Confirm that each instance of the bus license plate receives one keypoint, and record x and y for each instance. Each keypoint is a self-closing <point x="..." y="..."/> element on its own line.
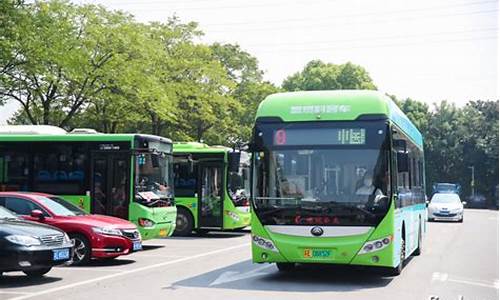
<point x="60" y="254"/>
<point x="163" y="232"/>
<point x="317" y="253"/>
<point x="137" y="246"/>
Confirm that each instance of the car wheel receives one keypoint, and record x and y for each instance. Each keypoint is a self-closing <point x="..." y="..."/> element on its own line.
<point x="82" y="250"/>
<point x="183" y="223"/>
<point x="285" y="267"/>
<point x="39" y="272"/>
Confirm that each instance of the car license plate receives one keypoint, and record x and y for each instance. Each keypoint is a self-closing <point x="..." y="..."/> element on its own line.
<point x="163" y="232"/>
<point x="60" y="254"/>
<point x="317" y="253"/>
<point x="137" y="246"/>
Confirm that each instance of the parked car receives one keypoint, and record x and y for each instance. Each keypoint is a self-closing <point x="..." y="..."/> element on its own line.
<point x="446" y="206"/>
<point x="31" y="247"/>
<point x="94" y="236"/>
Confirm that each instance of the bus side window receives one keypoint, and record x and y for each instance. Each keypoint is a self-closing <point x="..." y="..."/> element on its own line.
<point x="185" y="181"/>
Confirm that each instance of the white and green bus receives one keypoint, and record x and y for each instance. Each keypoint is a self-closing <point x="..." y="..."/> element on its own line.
<point x="212" y="188"/>
<point x="338" y="178"/>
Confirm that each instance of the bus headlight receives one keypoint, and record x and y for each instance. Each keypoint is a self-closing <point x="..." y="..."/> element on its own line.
<point x="146" y="223"/>
<point x="376" y="245"/>
<point x="264" y="243"/>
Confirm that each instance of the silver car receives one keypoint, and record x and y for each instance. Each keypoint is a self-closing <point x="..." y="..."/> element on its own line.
<point x="446" y="207"/>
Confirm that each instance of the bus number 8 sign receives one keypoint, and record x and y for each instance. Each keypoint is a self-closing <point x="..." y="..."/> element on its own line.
<point x="280" y="137"/>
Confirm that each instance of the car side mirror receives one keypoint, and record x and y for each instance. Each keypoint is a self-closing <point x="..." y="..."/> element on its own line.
<point x="37" y="214"/>
<point x="464" y="202"/>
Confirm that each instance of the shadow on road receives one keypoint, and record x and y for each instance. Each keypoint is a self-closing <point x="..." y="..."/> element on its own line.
<point x="151" y="247"/>
<point x="21" y="280"/>
<point x="105" y="263"/>
<point x="307" y="278"/>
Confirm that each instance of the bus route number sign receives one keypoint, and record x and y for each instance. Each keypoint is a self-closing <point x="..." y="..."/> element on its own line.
<point x="280" y="137"/>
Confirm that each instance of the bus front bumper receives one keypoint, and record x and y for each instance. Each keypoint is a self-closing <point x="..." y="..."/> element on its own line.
<point x="159" y="230"/>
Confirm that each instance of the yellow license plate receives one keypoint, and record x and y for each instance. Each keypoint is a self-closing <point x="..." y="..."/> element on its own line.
<point x="317" y="253"/>
<point x="163" y="232"/>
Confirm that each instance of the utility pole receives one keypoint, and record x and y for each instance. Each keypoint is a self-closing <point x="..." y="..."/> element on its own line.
<point x="472" y="183"/>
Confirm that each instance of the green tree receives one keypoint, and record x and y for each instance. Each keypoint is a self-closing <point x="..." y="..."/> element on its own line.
<point x="318" y="75"/>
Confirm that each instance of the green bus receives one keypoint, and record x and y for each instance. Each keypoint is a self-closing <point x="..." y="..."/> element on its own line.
<point x="338" y="178"/>
<point x="212" y="188"/>
<point x="122" y="175"/>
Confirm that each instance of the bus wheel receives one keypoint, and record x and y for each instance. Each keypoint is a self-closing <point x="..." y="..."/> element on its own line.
<point x="183" y="223"/>
<point x="82" y="248"/>
<point x="397" y="270"/>
<point x="285" y="267"/>
<point x="418" y="251"/>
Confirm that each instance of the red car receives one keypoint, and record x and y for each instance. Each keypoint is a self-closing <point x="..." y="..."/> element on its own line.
<point x="95" y="236"/>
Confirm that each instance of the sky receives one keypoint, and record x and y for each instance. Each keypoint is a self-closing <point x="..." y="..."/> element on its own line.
<point x="427" y="50"/>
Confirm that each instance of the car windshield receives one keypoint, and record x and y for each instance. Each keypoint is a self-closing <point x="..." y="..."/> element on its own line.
<point x="322" y="184"/>
<point x="239" y="182"/>
<point x="153" y="177"/>
<point x="7" y="214"/>
<point x="445" y="198"/>
<point x="60" y="207"/>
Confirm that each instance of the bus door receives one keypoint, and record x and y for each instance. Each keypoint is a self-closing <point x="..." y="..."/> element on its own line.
<point x="110" y="188"/>
<point x="210" y="195"/>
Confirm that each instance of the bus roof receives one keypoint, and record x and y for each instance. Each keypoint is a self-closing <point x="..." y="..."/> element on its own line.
<point x="196" y="147"/>
<point x="13" y="135"/>
<point x="338" y="105"/>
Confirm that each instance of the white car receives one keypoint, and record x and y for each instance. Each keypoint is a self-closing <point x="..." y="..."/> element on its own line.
<point x="447" y="207"/>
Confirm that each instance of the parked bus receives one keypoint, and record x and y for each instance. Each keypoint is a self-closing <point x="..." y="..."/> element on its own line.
<point x="212" y="188"/>
<point x="338" y="177"/>
<point x="122" y="175"/>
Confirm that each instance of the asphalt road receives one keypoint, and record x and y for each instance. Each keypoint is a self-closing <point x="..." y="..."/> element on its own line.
<point x="460" y="261"/>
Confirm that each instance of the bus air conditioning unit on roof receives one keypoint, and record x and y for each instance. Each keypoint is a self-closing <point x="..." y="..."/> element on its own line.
<point x="31" y="129"/>
<point x="83" y="131"/>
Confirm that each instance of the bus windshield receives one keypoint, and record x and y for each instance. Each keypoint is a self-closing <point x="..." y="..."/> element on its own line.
<point x="153" y="182"/>
<point x="321" y="174"/>
<point x="239" y="182"/>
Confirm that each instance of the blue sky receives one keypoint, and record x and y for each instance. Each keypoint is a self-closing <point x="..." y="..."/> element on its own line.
<point x="426" y="50"/>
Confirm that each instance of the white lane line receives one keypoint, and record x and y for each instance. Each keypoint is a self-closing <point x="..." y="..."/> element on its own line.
<point x="69" y="286"/>
<point x="15" y="293"/>
<point x="443" y="277"/>
<point x="159" y="255"/>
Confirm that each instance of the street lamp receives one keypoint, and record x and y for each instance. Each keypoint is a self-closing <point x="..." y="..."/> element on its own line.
<point x="472" y="181"/>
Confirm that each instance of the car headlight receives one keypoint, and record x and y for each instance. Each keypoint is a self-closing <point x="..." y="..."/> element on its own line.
<point x="376" y="245"/>
<point x="107" y="230"/>
<point x="24" y="240"/>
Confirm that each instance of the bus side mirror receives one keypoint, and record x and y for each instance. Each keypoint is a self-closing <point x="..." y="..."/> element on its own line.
<point x="402" y="162"/>
<point x="190" y="164"/>
<point x="399" y="145"/>
<point x="234" y="161"/>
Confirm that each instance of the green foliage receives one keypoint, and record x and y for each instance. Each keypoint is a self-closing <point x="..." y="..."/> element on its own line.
<point x="318" y="75"/>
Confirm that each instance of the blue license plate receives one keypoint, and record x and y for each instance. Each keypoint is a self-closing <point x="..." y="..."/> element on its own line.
<point x="60" y="254"/>
<point x="137" y="246"/>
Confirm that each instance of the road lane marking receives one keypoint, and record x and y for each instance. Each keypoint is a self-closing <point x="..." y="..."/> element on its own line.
<point x="76" y="284"/>
<point x="159" y="255"/>
<point x="443" y="277"/>
<point x="15" y="293"/>
<point x="231" y="276"/>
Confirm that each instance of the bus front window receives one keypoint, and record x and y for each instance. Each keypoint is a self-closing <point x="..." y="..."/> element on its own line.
<point x="153" y="179"/>
<point x="322" y="184"/>
<point x="239" y="182"/>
